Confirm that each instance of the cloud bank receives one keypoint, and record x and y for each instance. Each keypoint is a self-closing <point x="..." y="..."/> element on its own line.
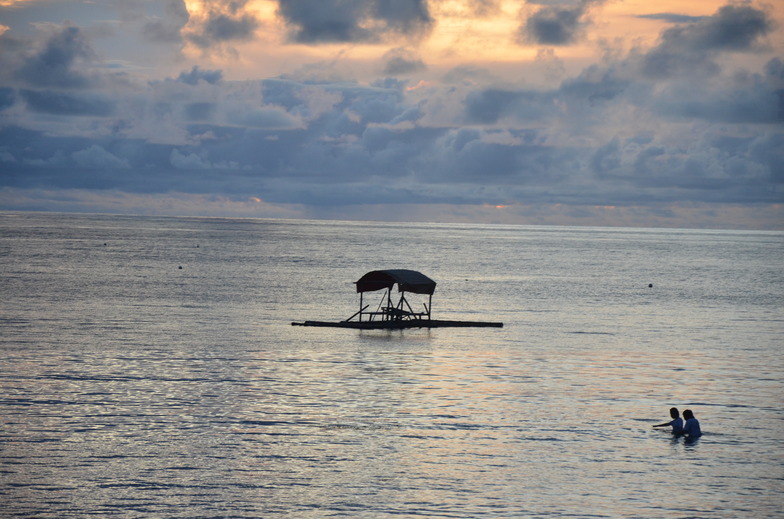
<point x="685" y="131"/>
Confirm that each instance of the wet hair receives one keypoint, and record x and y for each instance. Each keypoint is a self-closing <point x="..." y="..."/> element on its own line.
<point x="674" y="412"/>
<point x="688" y="414"/>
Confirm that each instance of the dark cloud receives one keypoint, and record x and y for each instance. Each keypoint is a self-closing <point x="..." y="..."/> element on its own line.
<point x="60" y="103"/>
<point x="775" y="70"/>
<point x="225" y="21"/>
<point x="607" y="157"/>
<point x="595" y="85"/>
<point x="744" y="100"/>
<point x="399" y="62"/>
<point x="768" y="149"/>
<point x="690" y="49"/>
<point x="557" y="24"/>
<point x="7" y="97"/>
<point x="168" y="28"/>
<point x="409" y="17"/>
<point x="717" y="169"/>
<point x="489" y="106"/>
<point x="732" y="28"/>
<point x="222" y="27"/>
<point x="58" y="63"/>
<point x="282" y="92"/>
<point x="196" y="74"/>
<point x="329" y="21"/>
<point x="496" y="158"/>
<point x="367" y="104"/>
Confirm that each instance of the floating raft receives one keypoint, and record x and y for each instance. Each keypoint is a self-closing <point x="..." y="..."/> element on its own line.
<point x="402" y="324"/>
<point x="396" y="316"/>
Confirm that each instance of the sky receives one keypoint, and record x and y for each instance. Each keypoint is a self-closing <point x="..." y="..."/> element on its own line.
<point x="548" y="112"/>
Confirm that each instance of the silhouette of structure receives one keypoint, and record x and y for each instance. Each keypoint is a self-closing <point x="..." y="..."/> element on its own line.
<point x="395" y="313"/>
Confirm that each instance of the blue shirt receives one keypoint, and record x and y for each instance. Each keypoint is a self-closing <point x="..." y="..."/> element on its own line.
<point x="677" y="426"/>
<point x="692" y="428"/>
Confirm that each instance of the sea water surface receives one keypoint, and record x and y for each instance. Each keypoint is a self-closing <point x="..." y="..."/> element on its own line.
<point x="148" y="368"/>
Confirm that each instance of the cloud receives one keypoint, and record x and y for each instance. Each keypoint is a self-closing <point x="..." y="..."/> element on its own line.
<point x="489" y="106"/>
<point x="714" y="168"/>
<point x="341" y="143"/>
<point x="467" y="75"/>
<point x="196" y="74"/>
<point x="557" y="24"/>
<point x="368" y="21"/>
<point x="775" y="69"/>
<point x="167" y="28"/>
<point x="95" y="157"/>
<point x="6" y="157"/>
<point x="732" y="28"/>
<point x="221" y="22"/>
<point x="747" y="99"/>
<point x="271" y="118"/>
<point x="199" y="111"/>
<point x="49" y="164"/>
<point x="7" y="97"/>
<point x="500" y="165"/>
<point x="190" y="161"/>
<point x="60" y="103"/>
<point x="483" y="7"/>
<point x="399" y="62"/>
<point x="690" y="49"/>
<point x="627" y="134"/>
<point x="58" y="64"/>
<point x="222" y="27"/>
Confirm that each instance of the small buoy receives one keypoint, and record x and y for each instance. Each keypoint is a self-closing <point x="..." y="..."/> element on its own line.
<point x="650" y="285"/>
<point x="180" y="267"/>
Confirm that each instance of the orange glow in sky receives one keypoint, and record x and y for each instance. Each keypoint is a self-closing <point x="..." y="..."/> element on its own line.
<point x="460" y="36"/>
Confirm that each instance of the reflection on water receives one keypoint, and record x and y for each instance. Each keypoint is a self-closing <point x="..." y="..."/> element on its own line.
<point x="131" y="387"/>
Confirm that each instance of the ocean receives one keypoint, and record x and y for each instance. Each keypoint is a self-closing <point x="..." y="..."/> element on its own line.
<point x="149" y="369"/>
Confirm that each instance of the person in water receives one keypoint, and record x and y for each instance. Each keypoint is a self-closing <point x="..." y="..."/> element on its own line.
<point x="676" y="422"/>
<point x="692" y="427"/>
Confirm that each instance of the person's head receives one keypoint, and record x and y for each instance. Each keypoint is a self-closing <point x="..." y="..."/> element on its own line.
<point x="688" y="414"/>
<point x="674" y="412"/>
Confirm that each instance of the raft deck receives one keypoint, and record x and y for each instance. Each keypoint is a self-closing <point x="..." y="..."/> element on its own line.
<point x="402" y="324"/>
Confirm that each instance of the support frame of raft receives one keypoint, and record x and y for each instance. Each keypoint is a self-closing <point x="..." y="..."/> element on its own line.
<point x="391" y="315"/>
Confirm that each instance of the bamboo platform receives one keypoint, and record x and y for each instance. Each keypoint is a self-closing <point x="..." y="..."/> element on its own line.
<point x="401" y="324"/>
